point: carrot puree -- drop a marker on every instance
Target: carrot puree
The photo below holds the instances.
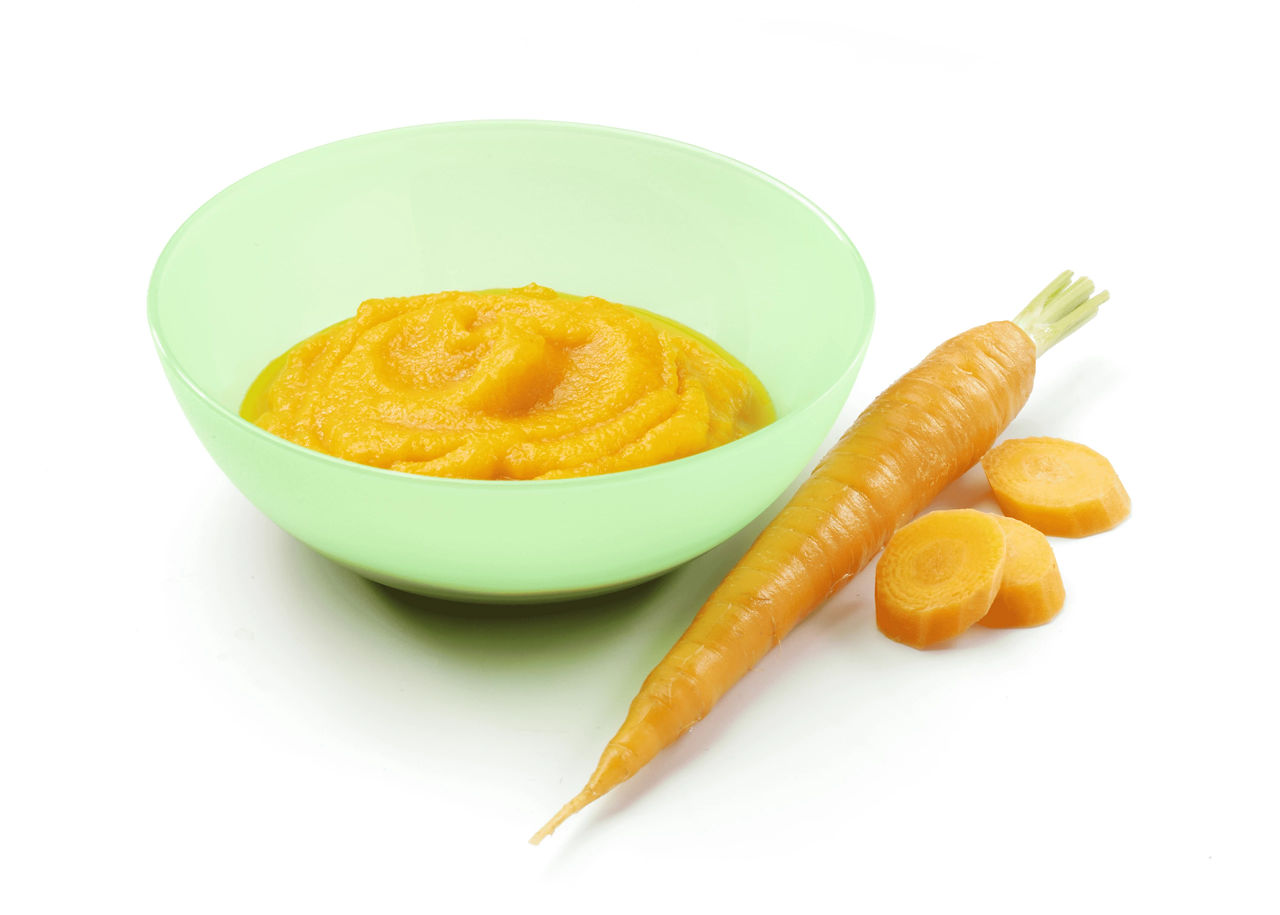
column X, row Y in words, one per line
column 507, row 384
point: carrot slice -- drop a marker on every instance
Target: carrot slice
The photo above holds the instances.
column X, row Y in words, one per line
column 938, row 576
column 1061, row 488
column 1031, row 591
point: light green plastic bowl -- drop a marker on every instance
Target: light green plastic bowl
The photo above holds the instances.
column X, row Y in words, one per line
column 630, row 217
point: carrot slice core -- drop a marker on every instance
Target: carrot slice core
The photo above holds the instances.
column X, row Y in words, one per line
column 938, row 576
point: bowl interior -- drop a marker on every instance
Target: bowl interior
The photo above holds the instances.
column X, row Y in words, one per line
column 629, row 217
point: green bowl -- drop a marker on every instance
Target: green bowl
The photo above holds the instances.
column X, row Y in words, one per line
column 638, row 219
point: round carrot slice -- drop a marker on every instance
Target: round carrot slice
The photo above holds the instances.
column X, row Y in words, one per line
column 1031, row 591
column 938, row 576
column 1060, row 488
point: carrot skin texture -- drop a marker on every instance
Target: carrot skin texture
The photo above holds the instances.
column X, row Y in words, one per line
column 922, row 432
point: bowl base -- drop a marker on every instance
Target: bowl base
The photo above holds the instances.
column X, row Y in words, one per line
column 502, row 598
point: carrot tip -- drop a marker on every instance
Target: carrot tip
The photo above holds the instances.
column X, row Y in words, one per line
column 584, row 797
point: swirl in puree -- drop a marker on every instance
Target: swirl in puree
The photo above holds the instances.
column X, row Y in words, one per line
column 519, row 384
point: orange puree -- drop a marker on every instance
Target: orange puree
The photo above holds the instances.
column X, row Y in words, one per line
column 508, row 384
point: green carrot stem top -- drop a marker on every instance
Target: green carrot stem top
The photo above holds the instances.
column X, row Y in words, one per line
column 1059, row 310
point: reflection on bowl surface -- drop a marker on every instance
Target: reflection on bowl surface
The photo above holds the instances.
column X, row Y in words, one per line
column 701, row 239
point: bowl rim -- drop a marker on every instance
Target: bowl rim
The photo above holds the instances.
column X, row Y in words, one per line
column 777, row 427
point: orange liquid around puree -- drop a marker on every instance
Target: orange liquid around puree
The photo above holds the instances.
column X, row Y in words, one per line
column 507, row 384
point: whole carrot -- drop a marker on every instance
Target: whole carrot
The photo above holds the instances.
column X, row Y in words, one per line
column 924, row 431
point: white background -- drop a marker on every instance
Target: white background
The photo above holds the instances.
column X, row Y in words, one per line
column 201, row 715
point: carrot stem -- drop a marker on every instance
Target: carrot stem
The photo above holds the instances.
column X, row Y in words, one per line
column 1060, row 309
